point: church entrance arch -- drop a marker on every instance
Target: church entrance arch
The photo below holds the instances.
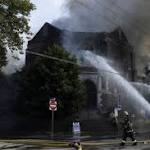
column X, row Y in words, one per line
column 91, row 91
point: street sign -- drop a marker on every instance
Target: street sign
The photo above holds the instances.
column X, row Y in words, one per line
column 76, row 131
column 52, row 107
column 76, row 127
column 53, row 104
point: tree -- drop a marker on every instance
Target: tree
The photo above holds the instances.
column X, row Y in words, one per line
column 47, row 78
column 13, row 24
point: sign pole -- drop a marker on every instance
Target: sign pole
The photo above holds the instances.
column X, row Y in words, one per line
column 52, row 107
column 52, row 125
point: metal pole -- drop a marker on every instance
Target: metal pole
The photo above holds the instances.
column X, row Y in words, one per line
column 52, row 125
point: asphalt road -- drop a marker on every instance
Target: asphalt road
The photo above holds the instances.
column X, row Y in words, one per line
column 129, row 147
column 94, row 145
column 115, row 145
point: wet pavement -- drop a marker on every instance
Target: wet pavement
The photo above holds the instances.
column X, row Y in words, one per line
column 129, row 147
column 140, row 146
column 10, row 146
column 94, row 145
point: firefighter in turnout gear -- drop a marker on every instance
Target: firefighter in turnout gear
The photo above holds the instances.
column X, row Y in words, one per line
column 127, row 130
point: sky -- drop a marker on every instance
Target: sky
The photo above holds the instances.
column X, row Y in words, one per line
column 81, row 18
column 46, row 11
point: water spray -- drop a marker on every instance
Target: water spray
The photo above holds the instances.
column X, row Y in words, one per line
column 101, row 63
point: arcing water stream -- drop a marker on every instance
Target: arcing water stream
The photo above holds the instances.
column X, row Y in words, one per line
column 102, row 65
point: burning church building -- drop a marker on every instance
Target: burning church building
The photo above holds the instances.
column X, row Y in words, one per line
column 113, row 45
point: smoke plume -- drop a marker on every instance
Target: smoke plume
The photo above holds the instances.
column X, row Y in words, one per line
column 106, row 15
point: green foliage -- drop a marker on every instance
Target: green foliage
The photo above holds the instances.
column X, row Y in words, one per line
column 2, row 57
column 13, row 24
column 48, row 78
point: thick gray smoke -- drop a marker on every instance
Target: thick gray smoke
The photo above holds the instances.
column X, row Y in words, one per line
column 105, row 15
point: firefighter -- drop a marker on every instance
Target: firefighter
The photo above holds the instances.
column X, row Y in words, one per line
column 127, row 130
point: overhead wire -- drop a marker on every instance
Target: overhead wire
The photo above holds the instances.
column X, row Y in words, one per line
column 51, row 57
column 65, row 61
column 70, row 62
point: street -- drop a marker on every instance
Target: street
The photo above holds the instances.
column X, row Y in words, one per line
column 138, row 147
column 30, row 144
